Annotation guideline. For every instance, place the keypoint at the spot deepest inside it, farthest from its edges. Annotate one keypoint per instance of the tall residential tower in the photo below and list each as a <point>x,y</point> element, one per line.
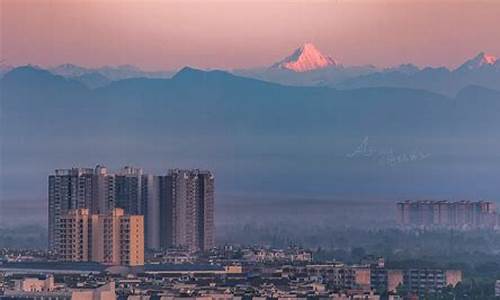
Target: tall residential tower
<point>187,209</point>
<point>75,188</point>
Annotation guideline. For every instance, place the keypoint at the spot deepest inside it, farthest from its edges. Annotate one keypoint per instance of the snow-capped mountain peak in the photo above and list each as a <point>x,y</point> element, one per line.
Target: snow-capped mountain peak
<point>480,60</point>
<point>305,58</point>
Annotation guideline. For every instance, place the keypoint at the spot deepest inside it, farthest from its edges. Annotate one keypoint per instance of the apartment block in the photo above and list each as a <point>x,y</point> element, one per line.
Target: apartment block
<point>132,240</point>
<point>152,212</point>
<point>74,242</point>
<point>448,214</point>
<point>113,238</point>
<point>186,201</point>
<point>129,190</point>
<point>76,188</point>
<point>414,280</point>
<point>422,280</point>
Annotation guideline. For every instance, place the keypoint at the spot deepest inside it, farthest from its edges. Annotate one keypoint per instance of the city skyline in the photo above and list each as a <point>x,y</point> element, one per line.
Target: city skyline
<point>258,149</point>
<point>221,34</point>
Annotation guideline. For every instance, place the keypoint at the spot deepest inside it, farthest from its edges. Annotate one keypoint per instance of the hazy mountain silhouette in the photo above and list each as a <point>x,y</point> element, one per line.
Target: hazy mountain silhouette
<point>98,77</point>
<point>93,80</point>
<point>328,76</point>
<point>483,70</point>
<point>258,137</point>
<point>315,69</point>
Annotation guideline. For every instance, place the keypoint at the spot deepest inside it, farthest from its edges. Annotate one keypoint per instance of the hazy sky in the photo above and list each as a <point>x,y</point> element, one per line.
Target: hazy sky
<point>234,34</point>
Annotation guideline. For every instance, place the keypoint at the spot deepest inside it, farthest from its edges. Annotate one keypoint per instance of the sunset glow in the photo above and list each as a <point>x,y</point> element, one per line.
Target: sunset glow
<point>223,34</point>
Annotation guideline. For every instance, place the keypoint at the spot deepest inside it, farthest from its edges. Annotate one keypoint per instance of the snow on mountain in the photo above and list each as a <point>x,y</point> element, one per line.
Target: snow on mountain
<point>305,58</point>
<point>479,61</point>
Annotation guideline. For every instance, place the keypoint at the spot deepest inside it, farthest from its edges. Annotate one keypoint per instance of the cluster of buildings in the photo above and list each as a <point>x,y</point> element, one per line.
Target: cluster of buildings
<point>226,278</point>
<point>263,255</point>
<point>460,214</point>
<point>111,218</point>
<point>43,287</point>
<point>412,280</point>
<point>101,224</point>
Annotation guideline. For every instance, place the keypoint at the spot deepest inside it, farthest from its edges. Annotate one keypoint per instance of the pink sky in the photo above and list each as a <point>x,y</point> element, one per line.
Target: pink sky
<point>235,34</point>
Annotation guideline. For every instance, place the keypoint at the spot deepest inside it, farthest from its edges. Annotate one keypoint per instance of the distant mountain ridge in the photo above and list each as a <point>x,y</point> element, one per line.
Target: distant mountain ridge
<point>110,72</point>
<point>29,84</point>
<point>307,66</point>
<point>257,136</point>
<point>219,92</point>
<point>481,70</point>
<point>479,61</point>
<point>99,77</point>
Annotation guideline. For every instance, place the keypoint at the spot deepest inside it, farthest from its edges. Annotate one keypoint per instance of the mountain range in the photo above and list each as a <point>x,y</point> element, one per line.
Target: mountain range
<point>307,66</point>
<point>98,77</point>
<point>483,70</point>
<point>261,139</point>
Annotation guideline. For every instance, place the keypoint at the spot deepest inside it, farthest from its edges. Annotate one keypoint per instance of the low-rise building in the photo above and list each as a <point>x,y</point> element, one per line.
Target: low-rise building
<point>35,289</point>
<point>415,280</point>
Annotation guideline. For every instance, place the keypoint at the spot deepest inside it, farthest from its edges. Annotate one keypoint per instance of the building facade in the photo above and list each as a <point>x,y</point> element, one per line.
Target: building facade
<point>424,280</point>
<point>448,214</point>
<point>413,280</point>
<point>112,238</point>
<point>151,209</point>
<point>186,201</point>
<point>75,188</point>
<point>129,190</point>
<point>74,239</point>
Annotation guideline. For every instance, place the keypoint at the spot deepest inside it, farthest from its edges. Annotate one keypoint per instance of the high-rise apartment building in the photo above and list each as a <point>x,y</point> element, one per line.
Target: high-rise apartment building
<point>112,238</point>
<point>75,188</point>
<point>186,201</point>
<point>151,208</point>
<point>74,240</point>
<point>129,190</point>
<point>104,200</point>
<point>445,213</point>
<point>132,240</point>
<point>138,194</point>
<point>178,208</point>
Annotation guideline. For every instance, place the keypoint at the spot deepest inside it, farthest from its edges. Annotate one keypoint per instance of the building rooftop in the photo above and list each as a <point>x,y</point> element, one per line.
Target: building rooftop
<point>180,268</point>
<point>52,267</point>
